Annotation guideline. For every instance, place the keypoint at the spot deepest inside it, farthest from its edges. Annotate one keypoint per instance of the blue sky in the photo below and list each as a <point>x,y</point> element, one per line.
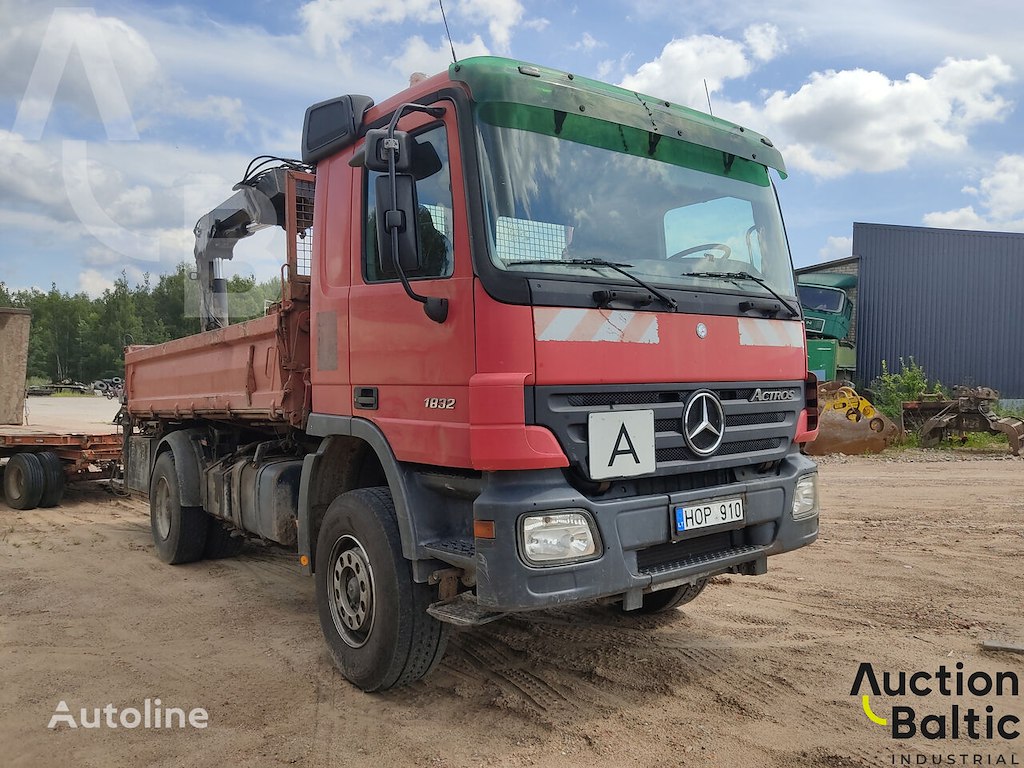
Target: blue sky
<point>122,122</point>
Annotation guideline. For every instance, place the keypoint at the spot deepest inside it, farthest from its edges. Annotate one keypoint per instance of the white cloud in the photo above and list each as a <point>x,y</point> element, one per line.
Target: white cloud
<point>538,24</point>
<point>501,17</point>
<point>587,43</point>
<point>856,120</point>
<point>764,41</point>
<point>679,72</point>
<point>136,72</point>
<point>1002,191</point>
<point>221,109</point>
<point>329,23</point>
<point>1000,196</point>
<point>419,56</point>
<point>836,248</point>
<point>92,282</point>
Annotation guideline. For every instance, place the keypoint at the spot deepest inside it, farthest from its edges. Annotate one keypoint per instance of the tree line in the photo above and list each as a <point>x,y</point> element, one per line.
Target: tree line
<point>78,338</point>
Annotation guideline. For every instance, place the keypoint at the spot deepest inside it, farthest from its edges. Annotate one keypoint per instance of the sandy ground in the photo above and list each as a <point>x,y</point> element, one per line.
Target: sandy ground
<point>87,415</point>
<point>920,559</point>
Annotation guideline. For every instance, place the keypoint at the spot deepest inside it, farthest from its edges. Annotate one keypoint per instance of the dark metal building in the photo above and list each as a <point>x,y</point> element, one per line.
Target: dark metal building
<point>951,299</point>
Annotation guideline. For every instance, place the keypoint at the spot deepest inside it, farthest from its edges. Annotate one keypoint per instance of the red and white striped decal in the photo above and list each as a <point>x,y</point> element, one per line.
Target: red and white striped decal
<point>562,324</point>
<point>755,332</point>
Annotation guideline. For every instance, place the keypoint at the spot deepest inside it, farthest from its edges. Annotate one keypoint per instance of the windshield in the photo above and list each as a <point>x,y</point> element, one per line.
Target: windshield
<point>563,187</point>
<point>821,299</point>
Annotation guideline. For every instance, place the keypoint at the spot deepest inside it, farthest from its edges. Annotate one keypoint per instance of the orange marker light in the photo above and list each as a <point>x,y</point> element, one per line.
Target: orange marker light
<point>304,561</point>
<point>483,529</point>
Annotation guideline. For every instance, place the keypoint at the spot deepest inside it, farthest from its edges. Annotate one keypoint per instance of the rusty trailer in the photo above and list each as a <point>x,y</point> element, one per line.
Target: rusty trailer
<point>40,463</point>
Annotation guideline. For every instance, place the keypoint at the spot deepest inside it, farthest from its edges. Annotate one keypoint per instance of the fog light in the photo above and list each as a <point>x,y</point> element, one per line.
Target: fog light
<point>805,497</point>
<point>558,537</point>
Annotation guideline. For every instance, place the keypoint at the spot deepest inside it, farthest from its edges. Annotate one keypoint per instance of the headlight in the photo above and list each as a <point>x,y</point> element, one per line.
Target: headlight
<point>558,537</point>
<point>805,497</point>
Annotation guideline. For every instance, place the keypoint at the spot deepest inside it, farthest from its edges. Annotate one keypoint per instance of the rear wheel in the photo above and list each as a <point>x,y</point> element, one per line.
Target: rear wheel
<point>373,615</point>
<point>24,481</point>
<point>219,541</point>
<point>53,485</point>
<point>179,533</point>
<point>668,599</point>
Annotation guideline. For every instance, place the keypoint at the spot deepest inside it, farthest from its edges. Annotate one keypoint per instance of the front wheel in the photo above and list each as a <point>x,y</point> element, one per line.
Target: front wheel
<point>373,615</point>
<point>668,599</point>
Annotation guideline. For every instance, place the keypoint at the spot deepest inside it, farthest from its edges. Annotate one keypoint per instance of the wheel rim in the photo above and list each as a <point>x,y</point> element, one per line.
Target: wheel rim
<point>16,485</point>
<point>350,591</point>
<point>162,508</point>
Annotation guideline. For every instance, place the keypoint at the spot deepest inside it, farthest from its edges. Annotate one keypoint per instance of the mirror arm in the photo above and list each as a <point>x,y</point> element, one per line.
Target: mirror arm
<point>434,307</point>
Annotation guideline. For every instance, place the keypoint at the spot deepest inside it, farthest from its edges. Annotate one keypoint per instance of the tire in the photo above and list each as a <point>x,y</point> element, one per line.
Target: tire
<point>220,543</point>
<point>179,533</point>
<point>53,485</point>
<point>24,481</point>
<point>669,599</point>
<point>373,615</point>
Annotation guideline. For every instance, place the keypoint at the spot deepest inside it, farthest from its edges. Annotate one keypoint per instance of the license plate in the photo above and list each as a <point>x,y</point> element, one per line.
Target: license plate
<point>705,514</point>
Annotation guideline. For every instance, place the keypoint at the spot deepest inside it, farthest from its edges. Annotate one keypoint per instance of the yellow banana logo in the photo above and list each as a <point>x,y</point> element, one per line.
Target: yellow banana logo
<point>871,715</point>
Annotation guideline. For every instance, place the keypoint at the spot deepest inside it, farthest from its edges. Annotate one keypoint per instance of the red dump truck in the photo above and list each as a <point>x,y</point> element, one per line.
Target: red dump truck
<point>538,343</point>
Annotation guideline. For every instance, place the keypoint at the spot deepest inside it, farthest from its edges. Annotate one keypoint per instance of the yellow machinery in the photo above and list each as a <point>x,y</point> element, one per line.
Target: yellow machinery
<point>849,423</point>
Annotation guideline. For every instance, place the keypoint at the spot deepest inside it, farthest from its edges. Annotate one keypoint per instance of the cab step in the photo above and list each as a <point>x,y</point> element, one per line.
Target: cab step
<point>463,611</point>
<point>458,552</point>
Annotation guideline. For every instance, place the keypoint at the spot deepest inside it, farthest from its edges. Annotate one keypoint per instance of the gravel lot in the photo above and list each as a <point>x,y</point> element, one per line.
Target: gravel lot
<point>920,560</point>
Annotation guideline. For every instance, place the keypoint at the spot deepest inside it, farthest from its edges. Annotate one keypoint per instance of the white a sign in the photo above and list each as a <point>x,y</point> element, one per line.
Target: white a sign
<point>621,444</point>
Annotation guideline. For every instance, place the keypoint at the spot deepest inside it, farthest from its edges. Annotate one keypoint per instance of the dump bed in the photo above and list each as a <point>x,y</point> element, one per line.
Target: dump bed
<point>255,371</point>
<point>245,371</point>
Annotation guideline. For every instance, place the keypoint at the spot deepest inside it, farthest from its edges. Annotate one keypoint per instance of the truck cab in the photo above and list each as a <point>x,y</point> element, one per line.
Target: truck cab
<point>554,354</point>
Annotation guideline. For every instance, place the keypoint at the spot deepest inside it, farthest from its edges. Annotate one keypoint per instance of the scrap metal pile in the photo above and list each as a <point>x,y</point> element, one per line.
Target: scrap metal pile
<point>848,423</point>
<point>970,410</point>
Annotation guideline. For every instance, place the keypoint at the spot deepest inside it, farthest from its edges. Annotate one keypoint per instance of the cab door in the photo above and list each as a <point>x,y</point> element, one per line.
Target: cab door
<point>410,375</point>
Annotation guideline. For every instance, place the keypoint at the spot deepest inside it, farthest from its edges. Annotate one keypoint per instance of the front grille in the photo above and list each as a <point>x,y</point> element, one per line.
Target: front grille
<point>734,420</point>
<point>604,399</point>
<point>747,419</point>
<point>655,485</point>
<point>755,432</point>
<point>680,453</point>
<point>751,446</point>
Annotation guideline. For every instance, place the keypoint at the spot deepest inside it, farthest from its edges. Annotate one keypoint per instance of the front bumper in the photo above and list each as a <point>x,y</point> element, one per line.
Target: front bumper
<point>637,553</point>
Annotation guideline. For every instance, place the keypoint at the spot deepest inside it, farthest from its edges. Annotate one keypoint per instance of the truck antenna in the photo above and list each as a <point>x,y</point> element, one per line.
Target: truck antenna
<point>708,94</point>
<point>455,59</point>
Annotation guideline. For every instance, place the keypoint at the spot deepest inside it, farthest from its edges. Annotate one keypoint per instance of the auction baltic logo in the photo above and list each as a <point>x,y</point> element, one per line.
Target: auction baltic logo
<point>939,712</point>
<point>152,715</point>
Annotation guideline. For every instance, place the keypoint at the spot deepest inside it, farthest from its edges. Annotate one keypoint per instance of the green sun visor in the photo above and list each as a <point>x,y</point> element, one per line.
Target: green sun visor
<point>505,81</point>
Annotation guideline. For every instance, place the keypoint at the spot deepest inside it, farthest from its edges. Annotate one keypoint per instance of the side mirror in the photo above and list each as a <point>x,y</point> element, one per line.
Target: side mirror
<point>404,218</point>
<point>332,125</point>
<point>415,157</point>
<point>376,159</point>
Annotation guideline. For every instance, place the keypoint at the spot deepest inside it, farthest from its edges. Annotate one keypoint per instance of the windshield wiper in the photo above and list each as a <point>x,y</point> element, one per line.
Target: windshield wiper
<point>617,266</point>
<point>734,276</point>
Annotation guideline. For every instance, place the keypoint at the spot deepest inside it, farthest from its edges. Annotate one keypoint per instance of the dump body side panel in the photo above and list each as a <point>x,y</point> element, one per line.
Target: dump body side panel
<point>230,372</point>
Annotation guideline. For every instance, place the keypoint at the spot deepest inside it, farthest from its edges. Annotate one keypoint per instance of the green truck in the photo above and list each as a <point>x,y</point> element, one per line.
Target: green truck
<point>828,321</point>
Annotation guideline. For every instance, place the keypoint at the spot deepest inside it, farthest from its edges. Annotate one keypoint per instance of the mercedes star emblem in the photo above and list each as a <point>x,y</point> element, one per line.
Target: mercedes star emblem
<point>704,423</point>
